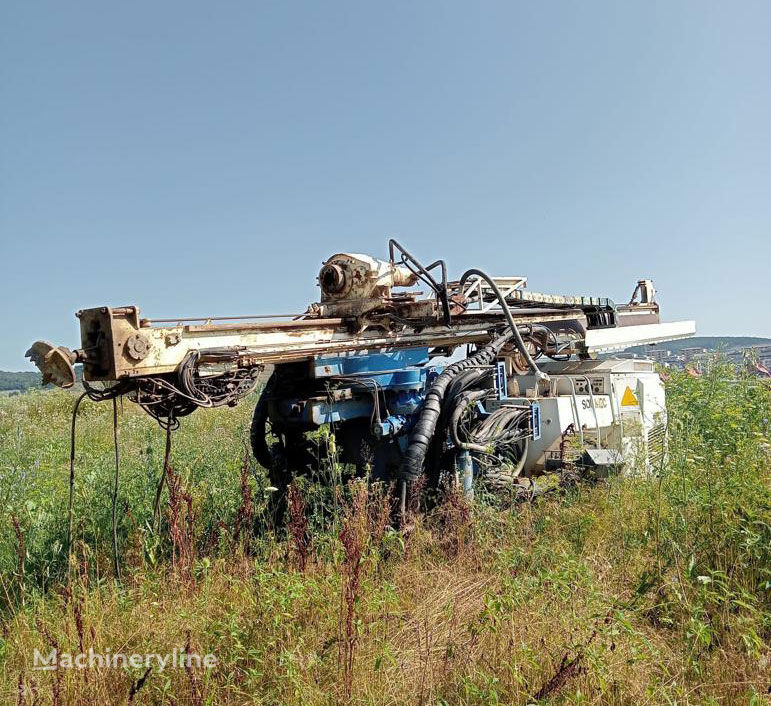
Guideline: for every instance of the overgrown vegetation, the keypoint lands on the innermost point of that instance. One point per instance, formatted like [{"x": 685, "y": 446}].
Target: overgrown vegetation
[{"x": 637, "y": 590}]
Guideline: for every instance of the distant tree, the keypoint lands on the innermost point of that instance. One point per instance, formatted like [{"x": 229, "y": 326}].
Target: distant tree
[{"x": 18, "y": 380}]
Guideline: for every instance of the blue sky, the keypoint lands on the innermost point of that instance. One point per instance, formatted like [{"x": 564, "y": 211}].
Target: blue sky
[{"x": 204, "y": 158}]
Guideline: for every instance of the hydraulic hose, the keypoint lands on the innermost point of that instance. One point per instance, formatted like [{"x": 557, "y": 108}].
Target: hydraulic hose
[
  {"x": 424, "y": 273},
  {"x": 423, "y": 431},
  {"x": 467, "y": 398},
  {"x": 461, "y": 383},
  {"x": 514, "y": 330}
]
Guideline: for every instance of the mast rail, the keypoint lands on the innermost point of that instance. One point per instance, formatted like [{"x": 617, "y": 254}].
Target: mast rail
[{"x": 181, "y": 320}]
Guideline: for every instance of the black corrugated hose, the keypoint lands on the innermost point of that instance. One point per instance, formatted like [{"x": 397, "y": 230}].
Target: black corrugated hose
[{"x": 423, "y": 431}]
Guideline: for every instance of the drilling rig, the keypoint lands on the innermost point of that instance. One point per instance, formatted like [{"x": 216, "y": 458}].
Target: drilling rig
[{"x": 479, "y": 378}]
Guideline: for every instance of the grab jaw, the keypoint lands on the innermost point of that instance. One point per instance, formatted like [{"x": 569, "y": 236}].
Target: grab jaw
[{"x": 56, "y": 363}]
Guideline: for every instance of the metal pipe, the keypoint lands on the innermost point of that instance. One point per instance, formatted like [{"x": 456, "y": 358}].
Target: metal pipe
[
  {"x": 594, "y": 409},
  {"x": 220, "y": 318},
  {"x": 576, "y": 413},
  {"x": 466, "y": 467}
]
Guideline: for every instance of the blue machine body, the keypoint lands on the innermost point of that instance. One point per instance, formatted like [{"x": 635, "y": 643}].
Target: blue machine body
[
  {"x": 407, "y": 360},
  {"x": 376, "y": 398},
  {"x": 398, "y": 380}
]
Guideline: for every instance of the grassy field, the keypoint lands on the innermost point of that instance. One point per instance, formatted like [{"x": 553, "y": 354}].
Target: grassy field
[{"x": 638, "y": 590}]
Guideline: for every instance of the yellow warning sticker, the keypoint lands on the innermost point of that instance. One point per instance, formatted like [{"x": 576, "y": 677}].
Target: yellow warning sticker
[{"x": 629, "y": 399}]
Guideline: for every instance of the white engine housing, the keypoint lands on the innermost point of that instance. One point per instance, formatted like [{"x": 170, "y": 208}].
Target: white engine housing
[{"x": 617, "y": 406}]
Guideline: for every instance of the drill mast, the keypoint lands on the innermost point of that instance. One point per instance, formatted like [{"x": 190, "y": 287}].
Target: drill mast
[{"x": 361, "y": 309}]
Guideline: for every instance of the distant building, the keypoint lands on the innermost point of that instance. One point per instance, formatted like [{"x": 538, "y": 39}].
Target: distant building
[
  {"x": 764, "y": 355},
  {"x": 659, "y": 354},
  {"x": 688, "y": 354},
  {"x": 699, "y": 358}
]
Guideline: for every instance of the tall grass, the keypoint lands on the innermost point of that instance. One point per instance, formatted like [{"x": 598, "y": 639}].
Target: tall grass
[{"x": 634, "y": 590}]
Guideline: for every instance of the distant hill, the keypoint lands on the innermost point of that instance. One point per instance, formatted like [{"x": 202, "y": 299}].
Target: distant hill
[
  {"x": 710, "y": 342},
  {"x": 18, "y": 381},
  {"x": 27, "y": 380}
]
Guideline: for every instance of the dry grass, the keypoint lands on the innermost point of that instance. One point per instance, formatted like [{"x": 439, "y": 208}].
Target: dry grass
[
  {"x": 617, "y": 593},
  {"x": 430, "y": 631}
]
